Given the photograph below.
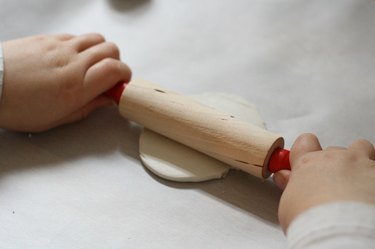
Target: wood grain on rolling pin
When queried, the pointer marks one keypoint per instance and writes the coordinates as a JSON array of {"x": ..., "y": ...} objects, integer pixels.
[{"x": 220, "y": 135}]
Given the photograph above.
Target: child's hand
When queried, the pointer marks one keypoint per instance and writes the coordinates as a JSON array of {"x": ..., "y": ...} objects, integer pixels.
[
  {"x": 57, "y": 79},
  {"x": 321, "y": 176}
]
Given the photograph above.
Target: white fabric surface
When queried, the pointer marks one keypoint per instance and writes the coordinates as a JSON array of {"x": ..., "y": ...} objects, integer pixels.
[
  {"x": 343, "y": 225},
  {"x": 308, "y": 65}
]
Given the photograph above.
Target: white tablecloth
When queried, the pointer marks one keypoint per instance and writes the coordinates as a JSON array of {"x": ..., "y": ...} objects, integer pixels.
[{"x": 308, "y": 65}]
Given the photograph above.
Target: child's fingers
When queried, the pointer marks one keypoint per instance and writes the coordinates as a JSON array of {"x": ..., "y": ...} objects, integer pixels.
[
  {"x": 364, "y": 147},
  {"x": 335, "y": 148},
  {"x": 83, "y": 42},
  {"x": 304, "y": 143},
  {"x": 64, "y": 37},
  {"x": 281, "y": 178},
  {"x": 104, "y": 75},
  {"x": 99, "y": 52},
  {"x": 84, "y": 111}
]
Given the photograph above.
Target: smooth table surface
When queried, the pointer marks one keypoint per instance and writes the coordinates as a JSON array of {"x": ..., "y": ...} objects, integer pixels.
[{"x": 307, "y": 65}]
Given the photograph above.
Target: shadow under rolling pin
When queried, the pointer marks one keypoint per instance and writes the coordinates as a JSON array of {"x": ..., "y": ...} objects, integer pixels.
[{"x": 219, "y": 135}]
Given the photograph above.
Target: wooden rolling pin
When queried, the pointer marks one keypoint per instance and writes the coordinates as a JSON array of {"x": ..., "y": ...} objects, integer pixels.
[{"x": 219, "y": 135}]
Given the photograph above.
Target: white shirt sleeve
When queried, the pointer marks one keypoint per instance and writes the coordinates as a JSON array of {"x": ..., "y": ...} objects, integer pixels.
[
  {"x": 1, "y": 69},
  {"x": 337, "y": 225}
]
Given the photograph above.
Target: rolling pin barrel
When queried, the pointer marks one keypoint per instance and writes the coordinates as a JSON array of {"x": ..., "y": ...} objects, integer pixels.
[{"x": 180, "y": 118}]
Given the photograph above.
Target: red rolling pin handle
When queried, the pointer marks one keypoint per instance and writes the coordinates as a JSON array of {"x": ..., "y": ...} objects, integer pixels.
[
  {"x": 116, "y": 92},
  {"x": 279, "y": 159}
]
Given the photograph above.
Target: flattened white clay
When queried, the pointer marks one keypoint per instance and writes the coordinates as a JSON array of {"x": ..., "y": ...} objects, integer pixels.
[{"x": 176, "y": 162}]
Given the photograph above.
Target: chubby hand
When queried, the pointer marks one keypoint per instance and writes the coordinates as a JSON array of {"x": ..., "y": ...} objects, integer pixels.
[
  {"x": 320, "y": 176},
  {"x": 50, "y": 80}
]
